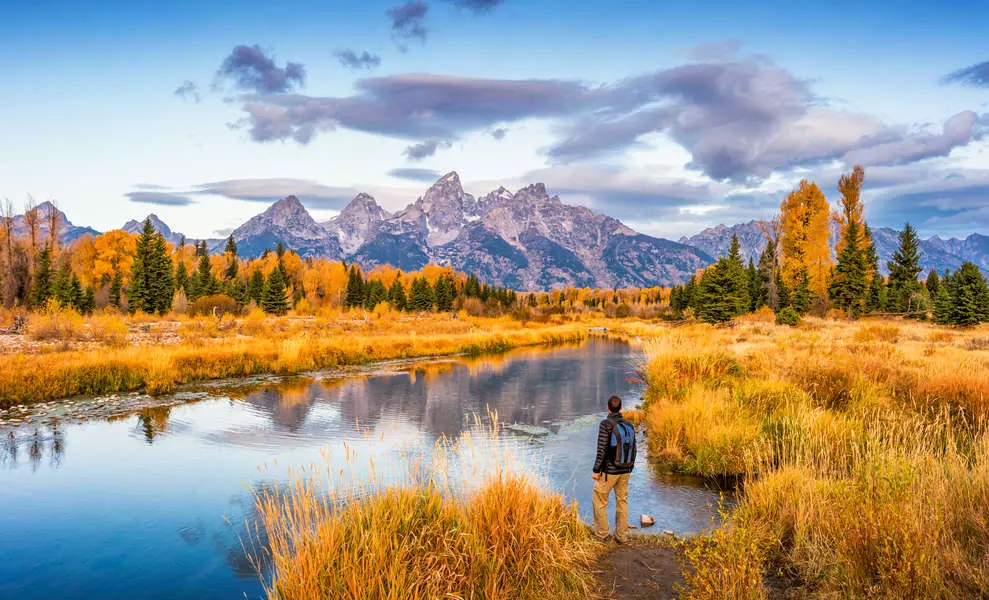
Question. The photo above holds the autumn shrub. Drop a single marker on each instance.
(108, 328)
(879, 333)
(788, 316)
(215, 305)
(56, 322)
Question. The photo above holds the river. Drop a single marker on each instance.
(147, 498)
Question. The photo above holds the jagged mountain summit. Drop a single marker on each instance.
(134, 226)
(67, 231)
(524, 240)
(936, 253)
(286, 221)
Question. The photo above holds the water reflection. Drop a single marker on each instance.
(152, 502)
(37, 444)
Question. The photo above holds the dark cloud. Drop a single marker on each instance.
(414, 106)
(311, 193)
(499, 134)
(478, 6)
(159, 198)
(427, 175)
(252, 69)
(407, 20)
(188, 91)
(740, 119)
(974, 75)
(423, 149)
(358, 62)
(958, 131)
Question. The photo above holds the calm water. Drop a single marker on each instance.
(151, 504)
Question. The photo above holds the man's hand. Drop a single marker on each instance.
(595, 476)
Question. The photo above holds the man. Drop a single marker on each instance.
(612, 469)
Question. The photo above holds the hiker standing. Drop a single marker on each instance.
(612, 469)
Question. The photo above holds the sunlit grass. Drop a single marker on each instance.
(863, 448)
(424, 535)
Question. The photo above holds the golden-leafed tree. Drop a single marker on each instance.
(850, 208)
(114, 255)
(804, 233)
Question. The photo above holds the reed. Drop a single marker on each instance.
(422, 537)
(863, 449)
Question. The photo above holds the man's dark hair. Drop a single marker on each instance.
(614, 404)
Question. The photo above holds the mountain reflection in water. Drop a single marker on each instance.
(153, 503)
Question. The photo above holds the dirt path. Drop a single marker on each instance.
(642, 569)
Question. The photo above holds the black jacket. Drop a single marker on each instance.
(605, 461)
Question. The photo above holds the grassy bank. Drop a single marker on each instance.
(862, 447)
(424, 538)
(163, 354)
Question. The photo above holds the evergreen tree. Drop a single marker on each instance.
(420, 296)
(755, 286)
(942, 300)
(88, 300)
(116, 289)
(849, 289)
(769, 277)
(67, 289)
(969, 296)
(204, 283)
(724, 288)
(396, 295)
(932, 283)
(445, 292)
(356, 293)
(690, 295)
(152, 283)
(274, 299)
(280, 251)
(41, 288)
(376, 294)
(472, 286)
(236, 290)
(181, 276)
(738, 279)
(231, 252)
(255, 286)
(802, 296)
(903, 270)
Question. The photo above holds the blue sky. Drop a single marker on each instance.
(670, 117)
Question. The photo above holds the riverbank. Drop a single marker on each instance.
(862, 447)
(164, 354)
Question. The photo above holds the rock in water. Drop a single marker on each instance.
(647, 520)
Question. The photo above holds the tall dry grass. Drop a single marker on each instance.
(422, 538)
(194, 350)
(863, 449)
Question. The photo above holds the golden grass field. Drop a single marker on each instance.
(860, 449)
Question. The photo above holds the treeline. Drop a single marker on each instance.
(796, 274)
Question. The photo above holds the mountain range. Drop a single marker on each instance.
(525, 240)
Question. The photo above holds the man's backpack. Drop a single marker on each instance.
(623, 441)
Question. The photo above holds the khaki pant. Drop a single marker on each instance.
(602, 490)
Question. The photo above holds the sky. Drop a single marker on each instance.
(668, 116)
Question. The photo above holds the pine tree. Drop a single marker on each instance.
(231, 252)
(724, 288)
(152, 283)
(932, 283)
(876, 300)
(205, 284)
(88, 300)
(376, 294)
(41, 288)
(445, 292)
(903, 270)
(849, 288)
(738, 279)
(255, 286)
(942, 300)
(420, 296)
(768, 293)
(755, 286)
(969, 296)
(356, 293)
(472, 287)
(181, 276)
(274, 299)
(116, 289)
(396, 295)
(802, 296)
